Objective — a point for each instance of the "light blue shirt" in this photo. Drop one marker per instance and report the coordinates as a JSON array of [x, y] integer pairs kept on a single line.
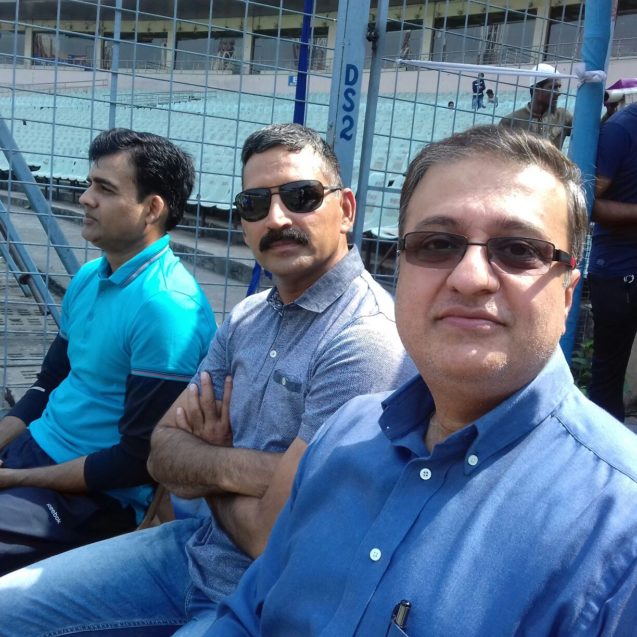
[[293, 366], [148, 318], [522, 523]]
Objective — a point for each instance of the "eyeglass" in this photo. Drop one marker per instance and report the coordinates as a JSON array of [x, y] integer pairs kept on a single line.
[[298, 196], [515, 255]]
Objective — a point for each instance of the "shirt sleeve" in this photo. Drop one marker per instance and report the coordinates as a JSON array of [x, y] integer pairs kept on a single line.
[[366, 357], [124, 464], [216, 361], [55, 368], [170, 335]]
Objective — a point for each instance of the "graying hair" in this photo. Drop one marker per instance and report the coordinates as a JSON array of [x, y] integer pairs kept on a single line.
[[510, 145]]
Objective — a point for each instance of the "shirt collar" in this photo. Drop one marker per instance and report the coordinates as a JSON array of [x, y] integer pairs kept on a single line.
[[318, 297], [409, 408], [130, 270]]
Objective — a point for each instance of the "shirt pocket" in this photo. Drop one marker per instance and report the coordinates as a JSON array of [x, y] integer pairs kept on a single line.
[[288, 382]]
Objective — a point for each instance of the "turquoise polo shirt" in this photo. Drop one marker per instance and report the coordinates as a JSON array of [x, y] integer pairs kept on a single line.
[[148, 318]]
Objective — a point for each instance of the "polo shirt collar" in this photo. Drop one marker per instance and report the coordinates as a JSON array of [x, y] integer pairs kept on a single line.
[[409, 408], [129, 271], [318, 297]]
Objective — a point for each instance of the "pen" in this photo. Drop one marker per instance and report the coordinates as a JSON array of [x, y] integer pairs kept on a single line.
[[401, 612]]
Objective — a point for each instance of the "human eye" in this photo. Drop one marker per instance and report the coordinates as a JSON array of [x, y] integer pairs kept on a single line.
[[433, 246], [521, 253]]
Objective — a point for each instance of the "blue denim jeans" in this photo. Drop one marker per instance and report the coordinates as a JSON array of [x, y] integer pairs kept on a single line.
[[132, 585]]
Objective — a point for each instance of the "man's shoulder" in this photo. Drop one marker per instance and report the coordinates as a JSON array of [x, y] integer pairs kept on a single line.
[[563, 116], [355, 422], [515, 117], [597, 432]]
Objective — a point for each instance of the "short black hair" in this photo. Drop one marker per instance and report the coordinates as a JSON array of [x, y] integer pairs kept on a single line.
[[160, 167], [293, 137]]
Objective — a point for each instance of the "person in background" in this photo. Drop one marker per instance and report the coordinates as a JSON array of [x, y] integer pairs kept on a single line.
[[613, 103], [492, 98], [612, 265], [134, 327], [477, 87], [542, 115]]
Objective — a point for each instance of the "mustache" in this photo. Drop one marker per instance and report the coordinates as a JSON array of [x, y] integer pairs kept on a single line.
[[286, 234]]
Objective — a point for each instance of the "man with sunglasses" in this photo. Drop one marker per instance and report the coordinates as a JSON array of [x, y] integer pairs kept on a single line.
[[278, 367], [487, 496]]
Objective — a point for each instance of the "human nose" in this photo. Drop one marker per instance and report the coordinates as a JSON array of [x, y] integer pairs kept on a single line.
[[474, 274], [278, 214], [87, 199]]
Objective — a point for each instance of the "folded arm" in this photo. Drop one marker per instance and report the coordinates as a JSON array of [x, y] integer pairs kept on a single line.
[[249, 520], [195, 462]]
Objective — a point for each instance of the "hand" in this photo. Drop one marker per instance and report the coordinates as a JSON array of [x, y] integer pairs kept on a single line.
[[10, 428], [204, 416]]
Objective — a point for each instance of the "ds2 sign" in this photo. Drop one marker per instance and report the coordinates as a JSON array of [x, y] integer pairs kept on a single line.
[[349, 104]]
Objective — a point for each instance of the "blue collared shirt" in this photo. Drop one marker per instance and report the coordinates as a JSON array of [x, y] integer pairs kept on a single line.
[[522, 523]]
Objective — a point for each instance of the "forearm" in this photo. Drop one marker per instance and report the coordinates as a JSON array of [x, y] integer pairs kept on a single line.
[[191, 467], [249, 521], [245, 520], [10, 427], [67, 477], [614, 213]]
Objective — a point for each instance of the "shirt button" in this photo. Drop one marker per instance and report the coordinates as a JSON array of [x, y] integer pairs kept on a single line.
[[284, 381], [375, 555], [472, 460], [273, 353], [425, 474]]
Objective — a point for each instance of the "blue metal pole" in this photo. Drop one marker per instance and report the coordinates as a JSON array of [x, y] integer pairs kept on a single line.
[[301, 76], [347, 82], [299, 108], [39, 204], [583, 146]]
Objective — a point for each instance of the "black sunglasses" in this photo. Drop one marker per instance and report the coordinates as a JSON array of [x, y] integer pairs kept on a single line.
[[298, 196], [515, 255]]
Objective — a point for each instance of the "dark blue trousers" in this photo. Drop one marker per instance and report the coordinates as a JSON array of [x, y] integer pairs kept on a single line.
[[36, 523], [614, 302]]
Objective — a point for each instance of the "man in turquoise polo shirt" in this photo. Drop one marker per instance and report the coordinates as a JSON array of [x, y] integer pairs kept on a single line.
[[134, 327]]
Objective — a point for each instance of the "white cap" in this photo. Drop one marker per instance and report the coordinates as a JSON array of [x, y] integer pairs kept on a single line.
[[544, 72]]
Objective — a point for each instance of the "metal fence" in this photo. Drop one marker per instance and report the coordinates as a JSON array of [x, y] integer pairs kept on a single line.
[[206, 74]]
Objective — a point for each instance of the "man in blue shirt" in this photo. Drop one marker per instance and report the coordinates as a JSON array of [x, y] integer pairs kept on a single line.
[[280, 365], [134, 327], [487, 496], [477, 88], [613, 261]]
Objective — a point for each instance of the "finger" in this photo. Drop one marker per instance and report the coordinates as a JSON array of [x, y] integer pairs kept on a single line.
[[225, 403], [207, 396], [193, 408], [181, 420]]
